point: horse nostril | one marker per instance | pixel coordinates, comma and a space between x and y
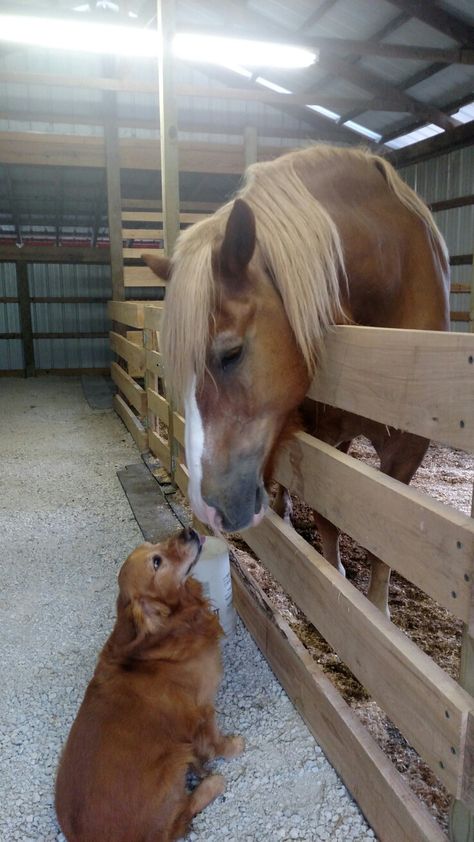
258, 498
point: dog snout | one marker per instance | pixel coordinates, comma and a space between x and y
189, 534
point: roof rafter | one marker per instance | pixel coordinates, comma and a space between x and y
438, 18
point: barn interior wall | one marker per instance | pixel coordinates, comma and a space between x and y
445, 177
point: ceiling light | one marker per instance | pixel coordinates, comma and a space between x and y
84, 36
78, 35
215, 50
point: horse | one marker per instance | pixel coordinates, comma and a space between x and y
318, 237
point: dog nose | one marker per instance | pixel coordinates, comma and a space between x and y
189, 534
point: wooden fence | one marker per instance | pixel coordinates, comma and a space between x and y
422, 382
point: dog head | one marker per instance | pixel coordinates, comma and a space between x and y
152, 581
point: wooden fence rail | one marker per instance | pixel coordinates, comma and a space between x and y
422, 382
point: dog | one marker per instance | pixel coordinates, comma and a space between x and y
148, 714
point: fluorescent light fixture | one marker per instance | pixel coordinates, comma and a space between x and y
272, 85
356, 127
325, 112
84, 36
415, 136
78, 35
213, 49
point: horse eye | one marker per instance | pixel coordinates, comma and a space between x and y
231, 357
156, 561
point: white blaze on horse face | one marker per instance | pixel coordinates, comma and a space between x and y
195, 451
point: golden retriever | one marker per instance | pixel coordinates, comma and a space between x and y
148, 713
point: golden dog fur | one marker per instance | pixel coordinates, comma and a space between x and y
148, 713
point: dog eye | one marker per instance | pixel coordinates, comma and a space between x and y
156, 561
231, 357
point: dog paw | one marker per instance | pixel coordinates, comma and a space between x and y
234, 746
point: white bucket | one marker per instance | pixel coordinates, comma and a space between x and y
213, 571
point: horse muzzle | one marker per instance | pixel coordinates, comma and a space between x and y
236, 507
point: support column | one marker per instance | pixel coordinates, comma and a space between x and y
24, 306
168, 125
461, 818
169, 160
250, 146
114, 198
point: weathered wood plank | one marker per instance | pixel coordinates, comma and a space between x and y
136, 253
132, 390
154, 362
159, 406
127, 312
432, 711
142, 233
179, 428
181, 477
158, 216
414, 380
159, 447
407, 529
389, 805
131, 422
153, 316
133, 354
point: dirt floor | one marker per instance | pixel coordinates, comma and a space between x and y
447, 475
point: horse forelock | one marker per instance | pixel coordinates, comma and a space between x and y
297, 242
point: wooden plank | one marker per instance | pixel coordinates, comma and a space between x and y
432, 711
114, 200
152, 512
141, 276
136, 252
387, 802
407, 529
460, 288
156, 205
160, 448
127, 312
159, 406
135, 336
185, 218
181, 477
415, 380
152, 316
460, 316
142, 234
132, 423
133, 354
153, 362
178, 428
132, 390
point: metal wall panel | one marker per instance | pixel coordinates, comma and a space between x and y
11, 354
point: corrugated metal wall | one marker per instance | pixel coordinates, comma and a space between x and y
59, 281
448, 177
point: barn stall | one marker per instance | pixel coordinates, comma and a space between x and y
85, 193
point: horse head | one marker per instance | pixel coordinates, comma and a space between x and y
254, 375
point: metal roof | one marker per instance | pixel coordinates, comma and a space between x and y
367, 90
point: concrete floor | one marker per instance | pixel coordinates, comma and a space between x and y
65, 527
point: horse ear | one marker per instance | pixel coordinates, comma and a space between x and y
161, 266
239, 239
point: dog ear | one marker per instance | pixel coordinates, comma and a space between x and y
147, 616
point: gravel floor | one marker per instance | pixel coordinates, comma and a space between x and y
65, 527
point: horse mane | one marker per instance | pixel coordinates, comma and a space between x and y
297, 243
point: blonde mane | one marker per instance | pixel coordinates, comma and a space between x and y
298, 243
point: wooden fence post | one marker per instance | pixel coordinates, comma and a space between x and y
169, 156
461, 818
250, 145
24, 306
